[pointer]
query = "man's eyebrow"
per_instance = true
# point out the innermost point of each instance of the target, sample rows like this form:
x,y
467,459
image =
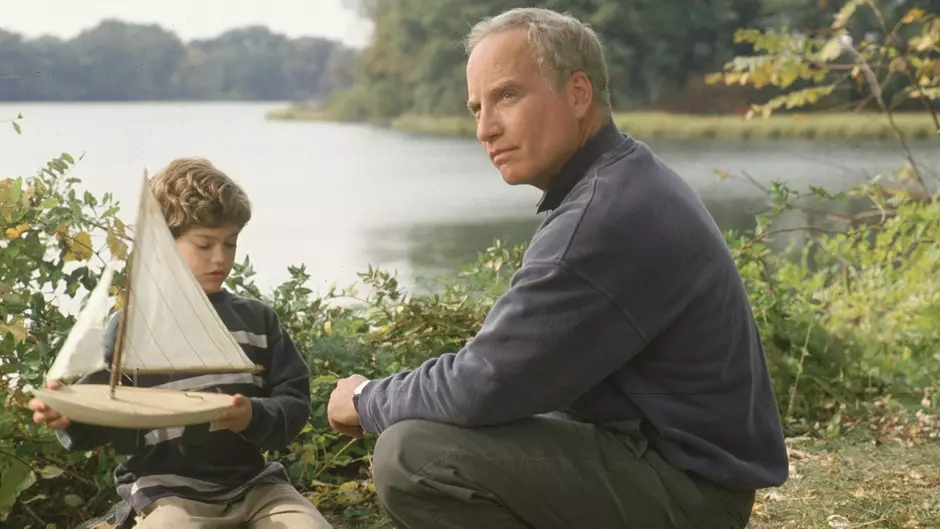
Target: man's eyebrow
x,y
505,84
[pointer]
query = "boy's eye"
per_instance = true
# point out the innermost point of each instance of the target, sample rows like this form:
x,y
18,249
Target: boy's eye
x,y
202,246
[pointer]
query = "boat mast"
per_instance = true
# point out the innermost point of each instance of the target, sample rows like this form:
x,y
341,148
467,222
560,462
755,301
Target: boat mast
x,y
122,323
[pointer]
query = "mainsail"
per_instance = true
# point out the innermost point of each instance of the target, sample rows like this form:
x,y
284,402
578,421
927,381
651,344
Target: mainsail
x,y
83,350
170,323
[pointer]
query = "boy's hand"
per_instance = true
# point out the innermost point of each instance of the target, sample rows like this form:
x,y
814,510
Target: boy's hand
x,y
340,411
238,417
43,414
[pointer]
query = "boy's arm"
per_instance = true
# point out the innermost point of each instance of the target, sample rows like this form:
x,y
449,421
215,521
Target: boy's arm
x,y
280,416
82,436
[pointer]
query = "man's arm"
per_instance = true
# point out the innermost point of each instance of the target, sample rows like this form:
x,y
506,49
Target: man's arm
x,y
552,337
278,418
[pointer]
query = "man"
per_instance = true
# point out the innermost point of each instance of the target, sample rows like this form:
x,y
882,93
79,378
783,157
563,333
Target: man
x,y
621,381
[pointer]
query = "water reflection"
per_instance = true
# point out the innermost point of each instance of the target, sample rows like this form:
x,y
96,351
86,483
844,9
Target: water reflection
x,y
436,250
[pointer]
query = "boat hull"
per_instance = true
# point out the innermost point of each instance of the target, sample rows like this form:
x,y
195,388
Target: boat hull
x,y
134,407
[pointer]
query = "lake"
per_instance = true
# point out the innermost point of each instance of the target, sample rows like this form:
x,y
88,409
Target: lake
x,y
339,197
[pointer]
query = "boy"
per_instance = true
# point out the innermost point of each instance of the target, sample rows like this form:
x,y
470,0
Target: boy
x,y
209,476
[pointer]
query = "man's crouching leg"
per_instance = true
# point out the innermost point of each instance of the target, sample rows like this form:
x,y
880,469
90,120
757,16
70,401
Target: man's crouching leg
x,y
535,473
424,479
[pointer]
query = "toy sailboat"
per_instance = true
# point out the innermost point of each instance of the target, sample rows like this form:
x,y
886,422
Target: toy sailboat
x,y
167,325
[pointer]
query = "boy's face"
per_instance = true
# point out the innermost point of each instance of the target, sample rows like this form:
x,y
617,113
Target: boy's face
x,y
210,254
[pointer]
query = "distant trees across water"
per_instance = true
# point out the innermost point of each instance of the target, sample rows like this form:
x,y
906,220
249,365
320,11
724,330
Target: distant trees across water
x,y
119,61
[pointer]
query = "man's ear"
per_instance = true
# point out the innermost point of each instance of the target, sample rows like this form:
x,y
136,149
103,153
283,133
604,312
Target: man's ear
x,y
581,93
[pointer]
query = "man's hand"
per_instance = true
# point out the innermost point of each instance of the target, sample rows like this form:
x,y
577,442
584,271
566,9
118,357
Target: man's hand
x,y
237,417
43,414
340,411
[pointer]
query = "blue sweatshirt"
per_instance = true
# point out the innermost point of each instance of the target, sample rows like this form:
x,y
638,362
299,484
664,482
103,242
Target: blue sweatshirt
x,y
628,305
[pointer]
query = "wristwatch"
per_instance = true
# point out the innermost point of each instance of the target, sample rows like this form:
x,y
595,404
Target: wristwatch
x,y
357,392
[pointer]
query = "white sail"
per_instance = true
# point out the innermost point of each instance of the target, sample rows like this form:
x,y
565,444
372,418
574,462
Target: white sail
x,y
171,324
83,350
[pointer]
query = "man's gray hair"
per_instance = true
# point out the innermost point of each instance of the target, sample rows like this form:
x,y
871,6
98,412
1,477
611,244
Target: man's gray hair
x,y
561,43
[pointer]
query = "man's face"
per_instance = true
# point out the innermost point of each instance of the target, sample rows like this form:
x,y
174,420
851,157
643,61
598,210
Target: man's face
x,y
528,131
210,254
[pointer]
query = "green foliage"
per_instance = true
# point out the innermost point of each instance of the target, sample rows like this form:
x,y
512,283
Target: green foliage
x,y
46,250
417,61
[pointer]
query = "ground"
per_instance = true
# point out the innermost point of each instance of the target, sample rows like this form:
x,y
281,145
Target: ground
x,y
880,474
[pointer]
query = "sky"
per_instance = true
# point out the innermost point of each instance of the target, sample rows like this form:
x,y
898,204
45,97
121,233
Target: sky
x,y
189,19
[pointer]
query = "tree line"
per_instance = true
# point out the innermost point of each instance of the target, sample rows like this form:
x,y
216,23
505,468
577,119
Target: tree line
x,y
119,61
658,52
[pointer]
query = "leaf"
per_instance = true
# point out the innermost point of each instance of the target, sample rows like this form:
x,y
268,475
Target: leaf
x,y
73,500
116,245
16,127
844,14
913,15
897,65
50,203
832,50
51,472
17,329
15,479
16,189
79,247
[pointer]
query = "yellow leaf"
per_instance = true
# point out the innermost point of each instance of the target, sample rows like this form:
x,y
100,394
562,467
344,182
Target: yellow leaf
x,y
79,247
714,78
349,485
17,329
119,303
117,246
12,233
328,327
897,65
5,190
912,15
832,50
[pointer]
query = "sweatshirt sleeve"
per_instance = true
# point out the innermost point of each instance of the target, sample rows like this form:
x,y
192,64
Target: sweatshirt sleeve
x,y
83,436
279,416
547,341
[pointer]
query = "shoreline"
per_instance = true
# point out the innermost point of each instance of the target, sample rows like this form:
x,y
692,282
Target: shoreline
x,y
845,126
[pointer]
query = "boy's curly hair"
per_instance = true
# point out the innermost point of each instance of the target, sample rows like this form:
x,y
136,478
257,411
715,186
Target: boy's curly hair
x,y
194,193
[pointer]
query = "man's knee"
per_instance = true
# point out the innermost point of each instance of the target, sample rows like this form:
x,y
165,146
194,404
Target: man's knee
x,y
404,450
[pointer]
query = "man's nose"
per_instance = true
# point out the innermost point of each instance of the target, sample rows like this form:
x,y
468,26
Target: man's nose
x,y
489,126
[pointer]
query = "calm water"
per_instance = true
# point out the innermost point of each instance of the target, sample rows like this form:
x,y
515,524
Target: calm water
x,y
341,197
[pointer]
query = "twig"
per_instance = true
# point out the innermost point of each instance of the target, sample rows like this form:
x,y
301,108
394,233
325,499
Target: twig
x,y
872,79
868,523
42,523
330,462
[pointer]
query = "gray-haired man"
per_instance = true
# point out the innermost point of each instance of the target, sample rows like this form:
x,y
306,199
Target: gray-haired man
x,y
621,382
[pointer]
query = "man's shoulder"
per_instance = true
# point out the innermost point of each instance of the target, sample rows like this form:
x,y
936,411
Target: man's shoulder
x,y
631,205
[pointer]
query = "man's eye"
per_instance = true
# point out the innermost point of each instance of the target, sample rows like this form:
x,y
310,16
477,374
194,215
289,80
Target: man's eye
x,y
507,94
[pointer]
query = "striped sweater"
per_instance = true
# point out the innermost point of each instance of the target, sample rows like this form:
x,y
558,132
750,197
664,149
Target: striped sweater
x,y
196,462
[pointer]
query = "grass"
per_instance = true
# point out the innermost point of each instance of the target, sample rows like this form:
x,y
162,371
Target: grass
x,y
883,472
844,126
